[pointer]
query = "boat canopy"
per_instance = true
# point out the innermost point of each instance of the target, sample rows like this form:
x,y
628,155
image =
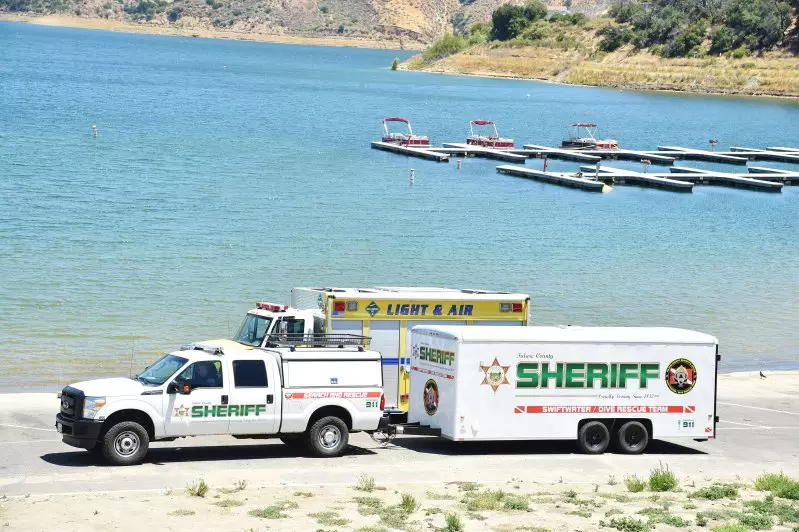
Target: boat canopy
x,y
395,119
583,124
482,122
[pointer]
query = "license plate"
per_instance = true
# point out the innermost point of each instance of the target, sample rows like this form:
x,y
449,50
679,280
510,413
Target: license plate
x,y
59,427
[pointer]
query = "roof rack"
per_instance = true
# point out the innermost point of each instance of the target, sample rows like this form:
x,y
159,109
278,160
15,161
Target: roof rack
x,y
294,340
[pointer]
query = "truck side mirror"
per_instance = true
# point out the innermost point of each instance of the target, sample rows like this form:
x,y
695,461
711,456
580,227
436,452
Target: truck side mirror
x,y
172,387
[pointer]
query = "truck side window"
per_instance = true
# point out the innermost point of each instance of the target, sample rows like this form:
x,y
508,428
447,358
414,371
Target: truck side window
x,y
204,374
249,374
318,325
295,326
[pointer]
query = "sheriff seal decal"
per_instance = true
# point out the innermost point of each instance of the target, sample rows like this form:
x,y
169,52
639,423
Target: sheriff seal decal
x,y
681,376
430,397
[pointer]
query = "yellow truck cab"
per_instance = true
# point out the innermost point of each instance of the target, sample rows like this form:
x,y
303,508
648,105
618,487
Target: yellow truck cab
x,y
384,314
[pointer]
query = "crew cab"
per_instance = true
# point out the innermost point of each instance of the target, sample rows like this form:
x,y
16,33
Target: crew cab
x,y
312,396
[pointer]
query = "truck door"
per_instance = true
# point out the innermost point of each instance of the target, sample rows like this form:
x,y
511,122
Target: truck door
x,y
253,397
200,404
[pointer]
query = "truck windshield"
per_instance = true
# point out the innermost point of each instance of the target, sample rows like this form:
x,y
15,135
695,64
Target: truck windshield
x,y
158,372
253,330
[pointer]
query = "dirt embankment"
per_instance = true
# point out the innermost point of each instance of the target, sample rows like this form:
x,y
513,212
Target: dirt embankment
x,y
774,74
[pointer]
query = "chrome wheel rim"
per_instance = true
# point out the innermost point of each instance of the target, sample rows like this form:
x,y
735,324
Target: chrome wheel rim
x,y
329,437
126,443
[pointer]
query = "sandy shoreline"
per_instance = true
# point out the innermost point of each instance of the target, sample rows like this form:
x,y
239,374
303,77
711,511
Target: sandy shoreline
x,y
513,505
202,33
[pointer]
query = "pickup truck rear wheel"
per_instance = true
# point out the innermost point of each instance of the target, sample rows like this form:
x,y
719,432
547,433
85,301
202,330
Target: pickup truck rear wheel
x,y
125,443
328,437
593,437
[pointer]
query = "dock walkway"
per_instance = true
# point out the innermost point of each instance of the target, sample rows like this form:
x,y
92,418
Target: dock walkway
x,y
702,155
555,178
481,151
707,177
411,151
619,176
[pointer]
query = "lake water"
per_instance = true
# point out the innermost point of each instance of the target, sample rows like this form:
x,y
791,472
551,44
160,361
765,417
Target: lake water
x,y
228,172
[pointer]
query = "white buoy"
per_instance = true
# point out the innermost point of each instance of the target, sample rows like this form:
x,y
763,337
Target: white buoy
x,y
94,130
412,175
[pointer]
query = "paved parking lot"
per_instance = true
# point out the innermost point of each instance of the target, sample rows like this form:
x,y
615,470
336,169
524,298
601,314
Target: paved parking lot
x,y
757,432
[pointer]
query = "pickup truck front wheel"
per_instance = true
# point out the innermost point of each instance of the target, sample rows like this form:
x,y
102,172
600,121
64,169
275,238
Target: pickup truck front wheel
x,y
328,437
125,443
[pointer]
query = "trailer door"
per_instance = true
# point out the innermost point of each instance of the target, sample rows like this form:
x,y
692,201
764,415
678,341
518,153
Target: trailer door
x,y
386,340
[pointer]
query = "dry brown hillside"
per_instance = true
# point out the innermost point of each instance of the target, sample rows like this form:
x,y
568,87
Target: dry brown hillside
x,y
409,21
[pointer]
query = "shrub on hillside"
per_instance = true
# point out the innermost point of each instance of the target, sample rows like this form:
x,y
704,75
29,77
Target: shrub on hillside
x,y
447,45
509,21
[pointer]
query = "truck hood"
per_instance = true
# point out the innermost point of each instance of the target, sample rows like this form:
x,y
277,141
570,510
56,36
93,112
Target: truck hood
x,y
115,387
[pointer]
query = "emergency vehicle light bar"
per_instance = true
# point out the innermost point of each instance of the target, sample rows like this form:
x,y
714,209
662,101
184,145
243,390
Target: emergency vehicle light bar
x,y
211,350
271,306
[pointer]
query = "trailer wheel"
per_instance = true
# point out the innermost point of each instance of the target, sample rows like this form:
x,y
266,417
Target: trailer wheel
x,y
593,437
125,443
632,437
328,437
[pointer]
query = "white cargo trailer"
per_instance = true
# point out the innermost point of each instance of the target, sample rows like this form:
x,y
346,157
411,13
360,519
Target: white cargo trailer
x,y
594,384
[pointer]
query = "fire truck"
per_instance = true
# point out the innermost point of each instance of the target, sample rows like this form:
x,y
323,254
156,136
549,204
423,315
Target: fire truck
x,y
384,314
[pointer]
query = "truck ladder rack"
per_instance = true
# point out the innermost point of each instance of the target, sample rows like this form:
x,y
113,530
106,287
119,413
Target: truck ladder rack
x,y
300,340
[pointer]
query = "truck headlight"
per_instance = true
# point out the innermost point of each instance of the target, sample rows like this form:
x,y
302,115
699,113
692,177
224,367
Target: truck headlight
x,y
92,405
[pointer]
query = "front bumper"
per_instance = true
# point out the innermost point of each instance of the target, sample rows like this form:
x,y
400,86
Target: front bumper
x,y
82,433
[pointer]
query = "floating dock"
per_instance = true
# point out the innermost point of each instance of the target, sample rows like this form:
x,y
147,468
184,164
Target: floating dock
x,y
707,177
411,151
618,176
756,154
458,148
537,151
782,148
632,155
679,152
766,170
555,178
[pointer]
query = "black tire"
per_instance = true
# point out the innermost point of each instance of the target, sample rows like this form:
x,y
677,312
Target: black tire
x,y
125,443
593,437
328,437
632,437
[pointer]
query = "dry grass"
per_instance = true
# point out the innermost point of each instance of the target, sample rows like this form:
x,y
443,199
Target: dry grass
x,y
774,74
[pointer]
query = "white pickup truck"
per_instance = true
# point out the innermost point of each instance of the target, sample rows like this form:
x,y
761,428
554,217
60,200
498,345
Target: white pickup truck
x,y
314,396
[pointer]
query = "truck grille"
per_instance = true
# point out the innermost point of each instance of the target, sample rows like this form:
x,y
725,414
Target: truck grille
x,y
72,402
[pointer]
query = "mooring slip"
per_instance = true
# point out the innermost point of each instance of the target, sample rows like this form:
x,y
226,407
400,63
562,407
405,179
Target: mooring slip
x,y
762,174
756,154
422,153
632,155
481,151
618,176
766,170
555,178
534,150
707,177
702,155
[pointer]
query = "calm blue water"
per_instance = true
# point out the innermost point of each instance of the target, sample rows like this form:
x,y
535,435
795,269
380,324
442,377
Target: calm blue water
x,y
228,172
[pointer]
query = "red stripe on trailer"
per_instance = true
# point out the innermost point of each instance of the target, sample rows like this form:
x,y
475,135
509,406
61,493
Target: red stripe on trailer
x,y
604,409
431,372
